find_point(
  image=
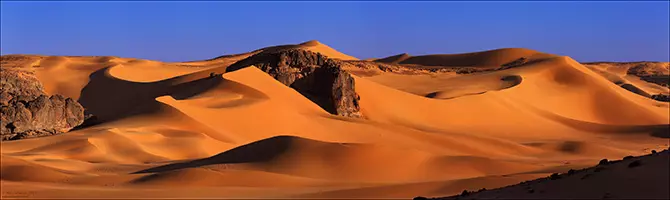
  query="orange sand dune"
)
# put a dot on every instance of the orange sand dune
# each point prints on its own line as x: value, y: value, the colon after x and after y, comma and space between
x: 490, y: 58
x: 312, y: 45
x: 394, y: 59
x: 189, y: 130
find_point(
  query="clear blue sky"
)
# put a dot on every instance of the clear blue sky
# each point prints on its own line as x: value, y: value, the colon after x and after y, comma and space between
x: 181, y: 31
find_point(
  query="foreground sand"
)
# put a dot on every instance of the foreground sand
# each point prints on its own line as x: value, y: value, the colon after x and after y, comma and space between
x: 644, y: 177
x: 172, y: 131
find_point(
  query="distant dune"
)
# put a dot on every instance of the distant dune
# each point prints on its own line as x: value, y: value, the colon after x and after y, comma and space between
x: 394, y: 59
x: 196, y: 130
x: 489, y: 58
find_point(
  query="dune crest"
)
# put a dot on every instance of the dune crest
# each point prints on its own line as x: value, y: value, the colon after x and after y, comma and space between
x: 496, y: 57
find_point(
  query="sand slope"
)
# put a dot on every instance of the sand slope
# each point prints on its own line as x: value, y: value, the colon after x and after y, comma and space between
x: 643, y: 177
x: 490, y: 58
x: 190, y: 130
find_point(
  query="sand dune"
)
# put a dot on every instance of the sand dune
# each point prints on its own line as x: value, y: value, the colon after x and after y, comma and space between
x: 312, y: 45
x: 490, y: 58
x: 346, y: 162
x: 394, y: 59
x: 18, y: 170
x: 189, y: 129
x: 545, y: 79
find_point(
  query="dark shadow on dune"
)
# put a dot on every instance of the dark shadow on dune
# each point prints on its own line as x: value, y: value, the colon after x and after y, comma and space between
x: 109, y: 98
x: 507, y: 82
x: 432, y: 94
x: 259, y: 151
x: 89, y: 121
x: 655, y: 130
x: 661, y: 132
x: 193, y: 88
x: 635, y: 90
x: 571, y: 147
x: 435, y: 95
x: 513, y: 80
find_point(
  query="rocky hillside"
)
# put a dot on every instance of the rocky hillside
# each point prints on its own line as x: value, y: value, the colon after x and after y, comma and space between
x: 27, y: 111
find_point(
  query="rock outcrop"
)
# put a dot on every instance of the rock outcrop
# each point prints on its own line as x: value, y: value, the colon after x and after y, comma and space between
x: 661, y: 97
x: 320, y: 79
x: 26, y: 111
x: 653, y: 72
x: 515, y: 63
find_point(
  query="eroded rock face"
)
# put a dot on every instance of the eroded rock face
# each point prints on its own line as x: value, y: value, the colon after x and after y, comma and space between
x: 15, y: 82
x: 26, y: 111
x: 320, y: 79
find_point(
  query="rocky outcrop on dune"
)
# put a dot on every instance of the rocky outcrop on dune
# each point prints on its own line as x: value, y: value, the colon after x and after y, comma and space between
x: 320, y: 79
x: 647, y: 68
x: 653, y: 72
x: 26, y: 111
x: 515, y: 63
x: 661, y: 97
x: 19, y: 61
x: 644, y: 177
x: 19, y: 83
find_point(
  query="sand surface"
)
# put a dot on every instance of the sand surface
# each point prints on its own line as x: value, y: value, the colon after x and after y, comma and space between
x: 644, y: 177
x: 171, y: 130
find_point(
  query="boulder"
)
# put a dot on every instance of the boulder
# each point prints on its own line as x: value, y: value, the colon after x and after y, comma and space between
x: 26, y: 111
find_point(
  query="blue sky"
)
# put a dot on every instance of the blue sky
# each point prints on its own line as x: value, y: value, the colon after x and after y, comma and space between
x: 182, y: 31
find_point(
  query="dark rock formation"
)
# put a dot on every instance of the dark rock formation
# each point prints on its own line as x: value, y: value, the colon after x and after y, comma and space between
x: 14, y: 82
x: 661, y: 97
x: 320, y: 79
x: 26, y: 111
x: 662, y: 80
x: 647, y: 68
x: 514, y: 63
